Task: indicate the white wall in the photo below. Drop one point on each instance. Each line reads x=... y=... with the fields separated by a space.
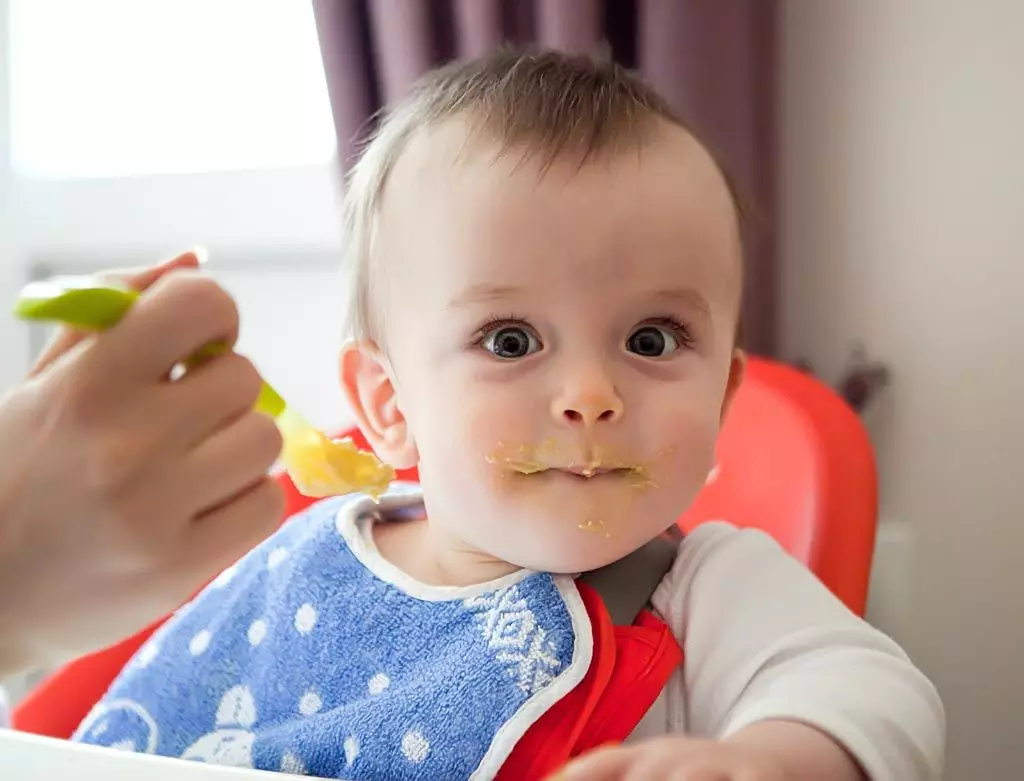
x=903 y=207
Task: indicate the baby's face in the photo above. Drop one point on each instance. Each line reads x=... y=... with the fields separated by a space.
x=561 y=342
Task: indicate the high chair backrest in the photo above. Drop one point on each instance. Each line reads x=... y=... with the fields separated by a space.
x=792 y=459
x=796 y=462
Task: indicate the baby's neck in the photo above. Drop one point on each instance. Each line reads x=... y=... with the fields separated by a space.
x=425 y=553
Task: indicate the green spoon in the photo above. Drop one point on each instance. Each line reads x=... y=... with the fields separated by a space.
x=318 y=465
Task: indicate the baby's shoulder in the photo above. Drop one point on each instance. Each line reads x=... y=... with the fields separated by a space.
x=718 y=551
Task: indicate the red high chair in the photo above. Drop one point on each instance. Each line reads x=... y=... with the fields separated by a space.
x=793 y=460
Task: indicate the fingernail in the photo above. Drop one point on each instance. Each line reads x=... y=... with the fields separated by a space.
x=201 y=253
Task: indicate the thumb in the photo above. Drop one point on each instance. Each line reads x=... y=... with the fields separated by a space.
x=137 y=279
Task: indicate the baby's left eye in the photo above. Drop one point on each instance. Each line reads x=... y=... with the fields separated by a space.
x=653 y=341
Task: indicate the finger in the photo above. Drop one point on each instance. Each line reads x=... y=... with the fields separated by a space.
x=231 y=460
x=603 y=764
x=219 y=537
x=177 y=317
x=208 y=397
x=137 y=279
x=700 y=774
x=143 y=278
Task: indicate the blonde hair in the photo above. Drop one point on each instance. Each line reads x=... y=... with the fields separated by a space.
x=546 y=103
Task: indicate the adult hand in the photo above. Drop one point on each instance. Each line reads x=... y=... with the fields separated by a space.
x=122 y=490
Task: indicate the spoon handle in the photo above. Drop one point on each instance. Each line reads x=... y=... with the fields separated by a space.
x=92 y=304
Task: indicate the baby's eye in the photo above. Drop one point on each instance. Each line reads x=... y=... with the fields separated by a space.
x=653 y=341
x=510 y=342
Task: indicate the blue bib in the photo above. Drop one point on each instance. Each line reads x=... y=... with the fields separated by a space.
x=313 y=655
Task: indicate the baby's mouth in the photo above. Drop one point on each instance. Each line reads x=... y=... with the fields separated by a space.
x=590 y=472
x=528 y=461
x=576 y=471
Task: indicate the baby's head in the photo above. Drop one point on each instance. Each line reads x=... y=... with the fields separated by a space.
x=545 y=268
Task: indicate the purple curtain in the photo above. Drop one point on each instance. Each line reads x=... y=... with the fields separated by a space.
x=713 y=59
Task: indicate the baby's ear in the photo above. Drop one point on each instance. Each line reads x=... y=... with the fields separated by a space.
x=368 y=383
x=737 y=368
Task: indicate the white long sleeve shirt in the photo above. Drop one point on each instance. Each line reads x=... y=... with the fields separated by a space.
x=764 y=639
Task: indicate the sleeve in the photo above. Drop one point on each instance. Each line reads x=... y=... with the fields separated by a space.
x=763 y=639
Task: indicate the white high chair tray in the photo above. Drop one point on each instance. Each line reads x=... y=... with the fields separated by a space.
x=32 y=758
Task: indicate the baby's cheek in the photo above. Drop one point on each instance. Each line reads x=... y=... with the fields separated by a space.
x=689 y=451
x=492 y=425
x=460 y=444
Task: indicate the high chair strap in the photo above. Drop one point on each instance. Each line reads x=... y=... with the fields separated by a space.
x=627 y=585
x=630 y=667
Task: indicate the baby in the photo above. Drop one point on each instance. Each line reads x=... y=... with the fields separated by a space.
x=546 y=275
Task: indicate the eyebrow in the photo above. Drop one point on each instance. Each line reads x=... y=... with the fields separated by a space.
x=689 y=297
x=482 y=293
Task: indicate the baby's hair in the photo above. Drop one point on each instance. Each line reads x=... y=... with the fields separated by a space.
x=544 y=103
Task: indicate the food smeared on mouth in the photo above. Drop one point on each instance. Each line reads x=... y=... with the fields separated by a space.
x=595 y=464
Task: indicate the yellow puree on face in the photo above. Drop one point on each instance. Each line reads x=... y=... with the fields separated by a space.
x=529 y=460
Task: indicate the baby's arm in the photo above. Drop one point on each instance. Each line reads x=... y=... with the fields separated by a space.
x=799 y=751
x=773 y=659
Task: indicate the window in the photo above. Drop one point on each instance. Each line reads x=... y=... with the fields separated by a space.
x=121 y=88
x=140 y=128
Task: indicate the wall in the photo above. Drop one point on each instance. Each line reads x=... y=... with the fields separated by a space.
x=902 y=200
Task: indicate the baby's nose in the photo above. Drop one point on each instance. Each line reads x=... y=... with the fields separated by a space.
x=588 y=409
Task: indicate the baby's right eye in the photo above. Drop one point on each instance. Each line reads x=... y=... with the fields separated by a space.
x=510 y=342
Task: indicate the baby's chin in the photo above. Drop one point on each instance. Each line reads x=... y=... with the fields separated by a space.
x=573 y=550
x=564 y=524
